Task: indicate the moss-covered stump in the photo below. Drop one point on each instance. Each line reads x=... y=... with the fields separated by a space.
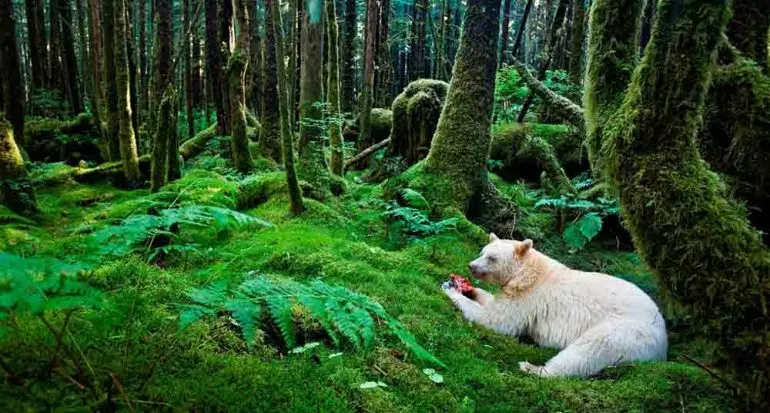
x=381 y=123
x=735 y=138
x=16 y=192
x=415 y=116
x=509 y=139
x=73 y=140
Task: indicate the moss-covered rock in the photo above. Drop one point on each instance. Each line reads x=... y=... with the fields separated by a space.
x=416 y=111
x=381 y=122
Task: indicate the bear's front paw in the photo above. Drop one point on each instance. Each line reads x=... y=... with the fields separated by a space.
x=446 y=285
x=530 y=368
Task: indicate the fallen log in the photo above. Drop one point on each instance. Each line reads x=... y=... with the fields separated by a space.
x=366 y=152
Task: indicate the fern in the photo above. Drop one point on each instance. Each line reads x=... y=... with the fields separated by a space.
x=587 y=215
x=414 y=222
x=342 y=312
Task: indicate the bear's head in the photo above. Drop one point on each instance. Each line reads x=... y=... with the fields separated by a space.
x=501 y=260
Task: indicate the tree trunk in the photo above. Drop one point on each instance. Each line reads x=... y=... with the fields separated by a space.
x=504 y=33
x=174 y=162
x=36 y=34
x=417 y=55
x=576 y=45
x=197 y=82
x=237 y=74
x=160 y=150
x=297 y=205
x=568 y=110
x=364 y=128
x=94 y=14
x=132 y=69
x=706 y=254
x=255 y=80
x=522 y=27
x=440 y=73
x=224 y=23
x=163 y=50
x=348 y=72
x=748 y=29
x=463 y=131
x=55 y=73
x=10 y=73
x=88 y=73
x=558 y=22
x=16 y=192
x=68 y=61
x=213 y=61
x=270 y=134
x=312 y=164
x=128 y=151
x=333 y=91
x=293 y=51
x=111 y=92
x=384 y=70
x=188 y=70
x=143 y=53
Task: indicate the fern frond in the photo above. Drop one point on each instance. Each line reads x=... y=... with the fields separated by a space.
x=283 y=315
x=246 y=313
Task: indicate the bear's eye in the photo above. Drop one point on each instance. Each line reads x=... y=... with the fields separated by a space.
x=492 y=258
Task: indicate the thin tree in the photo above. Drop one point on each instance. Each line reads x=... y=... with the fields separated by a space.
x=312 y=164
x=10 y=72
x=237 y=76
x=576 y=45
x=222 y=102
x=128 y=151
x=417 y=50
x=504 y=33
x=384 y=69
x=36 y=36
x=160 y=150
x=297 y=206
x=553 y=37
x=347 y=59
x=522 y=26
x=144 y=77
x=364 y=127
x=270 y=134
x=186 y=55
x=255 y=64
x=333 y=91
x=88 y=70
x=64 y=25
x=111 y=90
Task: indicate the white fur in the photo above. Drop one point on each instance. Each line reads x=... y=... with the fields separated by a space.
x=596 y=319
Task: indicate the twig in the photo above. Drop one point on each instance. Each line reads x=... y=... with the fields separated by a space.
x=711 y=372
x=122 y=393
x=366 y=152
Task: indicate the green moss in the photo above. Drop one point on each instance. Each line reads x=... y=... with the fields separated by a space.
x=416 y=111
x=239 y=144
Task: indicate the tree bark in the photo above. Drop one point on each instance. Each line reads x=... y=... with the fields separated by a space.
x=128 y=151
x=297 y=205
x=418 y=55
x=748 y=29
x=143 y=53
x=333 y=91
x=160 y=150
x=504 y=32
x=36 y=35
x=222 y=98
x=255 y=73
x=64 y=25
x=348 y=72
x=111 y=92
x=188 y=70
x=10 y=73
x=94 y=14
x=384 y=69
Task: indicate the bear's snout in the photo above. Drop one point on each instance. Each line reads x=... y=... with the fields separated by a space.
x=475 y=269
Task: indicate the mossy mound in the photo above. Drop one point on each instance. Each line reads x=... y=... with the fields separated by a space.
x=415 y=116
x=381 y=123
x=509 y=139
x=72 y=140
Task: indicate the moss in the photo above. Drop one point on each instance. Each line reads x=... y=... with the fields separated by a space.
x=381 y=122
x=748 y=29
x=415 y=116
x=544 y=152
x=735 y=138
x=160 y=152
x=16 y=191
x=706 y=254
x=239 y=143
x=70 y=140
x=126 y=136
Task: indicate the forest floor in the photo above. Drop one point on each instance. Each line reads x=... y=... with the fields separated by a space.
x=136 y=353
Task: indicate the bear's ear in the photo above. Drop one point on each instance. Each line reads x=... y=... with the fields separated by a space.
x=493 y=237
x=522 y=247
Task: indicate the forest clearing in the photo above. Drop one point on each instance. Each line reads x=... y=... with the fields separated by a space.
x=255 y=205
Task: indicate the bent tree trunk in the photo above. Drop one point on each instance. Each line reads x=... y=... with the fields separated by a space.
x=700 y=243
x=16 y=192
x=457 y=157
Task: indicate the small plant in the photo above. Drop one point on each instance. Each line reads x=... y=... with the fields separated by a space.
x=343 y=313
x=412 y=219
x=586 y=216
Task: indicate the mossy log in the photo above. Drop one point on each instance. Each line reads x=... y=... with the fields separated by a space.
x=71 y=141
x=16 y=192
x=381 y=121
x=197 y=144
x=543 y=151
x=112 y=171
x=508 y=140
x=699 y=241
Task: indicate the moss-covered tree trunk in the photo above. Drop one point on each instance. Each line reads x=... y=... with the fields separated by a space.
x=111 y=90
x=333 y=90
x=16 y=192
x=292 y=48
x=237 y=73
x=255 y=63
x=163 y=50
x=132 y=69
x=10 y=72
x=748 y=29
x=188 y=69
x=270 y=134
x=160 y=151
x=174 y=157
x=699 y=242
x=144 y=78
x=576 y=44
x=460 y=146
x=297 y=205
x=348 y=62
x=312 y=164
x=613 y=51
x=222 y=103
x=126 y=135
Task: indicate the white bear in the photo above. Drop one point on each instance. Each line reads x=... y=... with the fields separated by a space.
x=596 y=319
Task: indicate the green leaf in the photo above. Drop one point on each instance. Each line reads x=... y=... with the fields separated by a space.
x=283 y=315
x=246 y=313
x=415 y=199
x=590 y=225
x=574 y=237
x=193 y=313
x=433 y=376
